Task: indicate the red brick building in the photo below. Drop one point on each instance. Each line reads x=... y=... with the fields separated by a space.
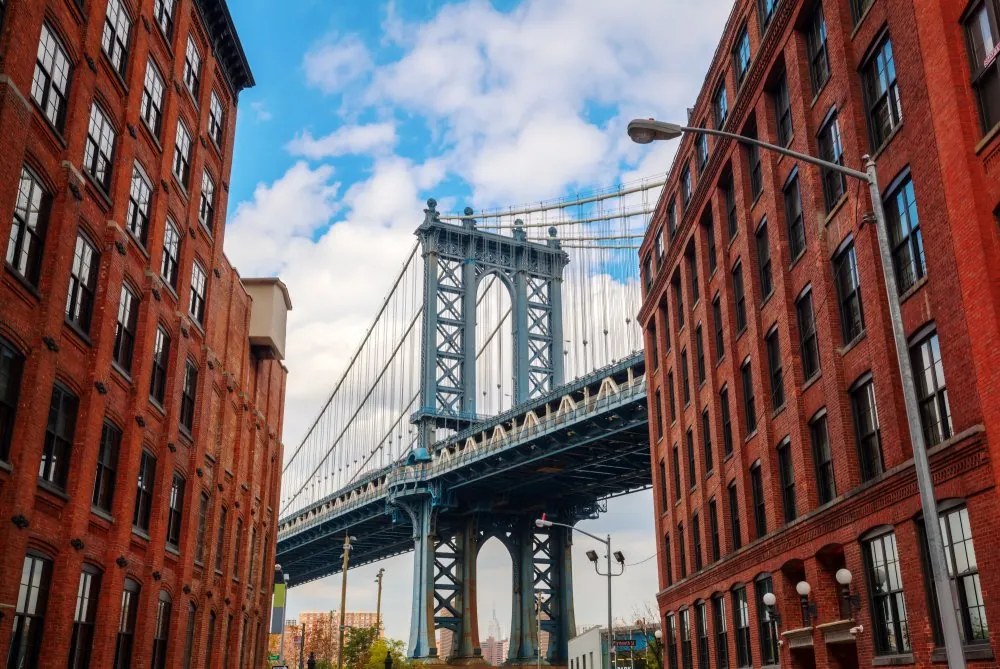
x=778 y=440
x=141 y=388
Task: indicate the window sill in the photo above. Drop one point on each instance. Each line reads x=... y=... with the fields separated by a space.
x=976 y=652
x=185 y=433
x=6 y=466
x=53 y=489
x=780 y=410
x=847 y=348
x=121 y=372
x=53 y=130
x=877 y=153
x=822 y=88
x=156 y=405
x=812 y=380
x=78 y=331
x=116 y=77
x=988 y=139
x=138 y=243
x=151 y=134
x=753 y=433
x=767 y=298
x=722 y=359
x=835 y=209
x=727 y=458
x=173 y=550
x=101 y=513
x=170 y=289
x=796 y=259
x=104 y=198
x=893 y=660
x=741 y=332
x=180 y=188
x=139 y=532
x=32 y=290
x=913 y=290
x=860 y=21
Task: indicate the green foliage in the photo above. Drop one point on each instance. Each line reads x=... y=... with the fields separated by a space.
x=358 y=646
x=383 y=647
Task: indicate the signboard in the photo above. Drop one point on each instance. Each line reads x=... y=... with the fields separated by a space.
x=278 y=605
x=273 y=658
x=625 y=643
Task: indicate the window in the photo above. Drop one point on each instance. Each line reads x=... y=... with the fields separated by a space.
x=819 y=63
x=741 y=56
x=161 y=631
x=749 y=402
x=659 y=415
x=963 y=569
x=783 y=110
x=654 y=349
x=932 y=393
x=665 y=321
x=692 y=269
x=98 y=155
x=11 y=366
x=189 y=636
x=765 y=11
x=701 y=617
x=671 y=642
x=176 y=510
x=686 y=659
x=192 y=66
x=768 y=628
x=125 y=329
x=210 y=644
x=741 y=615
x=50 y=83
x=140 y=194
x=845 y=270
x=220 y=538
x=673 y=398
x=735 y=531
x=647 y=273
x=739 y=298
x=114 y=40
x=237 y=548
x=699 y=354
x=713 y=260
x=884 y=107
x=720 y=105
x=787 y=473
x=206 y=210
x=905 y=236
x=727 y=422
x=161 y=354
x=729 y=200
x=859 y=8
x=706 y=441
x=661 y=248
x=702 y=153
x=685 y=381
x=151 y=107
x=808 y=342
x=27 y=234
x=171 y=254
x=664 y=496
x=757 y=491
x=682 y=551
x=826 y=486
x=29 y=614
x=84 y=617
x=764 y=261
x=126 y=625
x=686 y=188
x=721 y=632
x=720 y=346
x=677 y=472
x=182 y=154
x=668 y=559
x=775 y=367
x=756 y=167
x=793 y=217
x=163 y=13
x=144 y=491
x=199 y=543
x=59 y=430
x=82 y=284
x=107 y=466
x=251 y=570
x=867 y=429
x=216 y=119
x=982 y=31
x=672 y=218
x=696 y=541
x=831 y=150
x=678 y=300
x=198 y=288
x=692 y=474
x=885 y=586
x=715 y=544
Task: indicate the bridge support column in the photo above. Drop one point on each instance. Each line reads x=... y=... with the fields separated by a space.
x=455 y=594
x=523 y=628
x=422 y=641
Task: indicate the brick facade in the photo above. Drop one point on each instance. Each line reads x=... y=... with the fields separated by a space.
x=230 y=451
x=938 y=143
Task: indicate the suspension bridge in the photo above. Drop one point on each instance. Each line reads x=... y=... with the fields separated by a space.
x=502 y=377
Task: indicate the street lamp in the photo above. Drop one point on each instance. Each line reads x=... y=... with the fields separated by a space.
x=644 y=131
x=378 y=604
x=809 y=611
x=343 y=597
x=285 y=577
x=851 y=600
x=592 y=556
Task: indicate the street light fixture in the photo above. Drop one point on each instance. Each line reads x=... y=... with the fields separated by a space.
x=809 y=611
x=852 y=600
x=543 y=522
x=644 y=131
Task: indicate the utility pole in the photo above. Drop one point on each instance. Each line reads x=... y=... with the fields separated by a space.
x=302 y=644
x=378 y=604
x=343 y=598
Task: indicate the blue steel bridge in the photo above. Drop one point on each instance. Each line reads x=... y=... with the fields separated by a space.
x=501 y=378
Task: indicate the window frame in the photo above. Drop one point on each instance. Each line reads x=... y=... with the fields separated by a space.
x=741 y=626
x=739 y=297
x=735 y=528
x=183 y=147
x=775 y=368
x=206 y=203
x=830 y=147
x=764 y=270
x=909 y=261
x=749 y=397
x=84 y=616
x=816 y=48
x=216 y=120
x=161 y=630
x=193 y=61
x=721 y=629
x=783 y=111
x=758 y=499
x=926 y=360
x=126 y=325
x=30 y=222
x=819 y=441
x=142 y=509
x=116 y=36
x=106 y=474
x=170 y=262
x=161 y=361
x=11 y=375
x=847 y=281
x=979 y=71
x=742 y=55
x=767 y=627
x=26 y=638
x=125 y=637
x=893 y=597
x=52 y=75
x=151 y=103
x=99 y=149
x=867 y=436
x=794 y=220
x=60 y=432
x=879 y=59
x=175 y=509
x=82 y=290
x=805 y=316
x=786 y=475
x=163 y=16
x=140 y=202
x=199 y=293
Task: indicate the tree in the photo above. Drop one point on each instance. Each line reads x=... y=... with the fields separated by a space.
x=383 y=647
x=358 y=646
x=654 y=646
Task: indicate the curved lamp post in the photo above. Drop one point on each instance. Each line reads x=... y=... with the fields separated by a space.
x=592 y=556
x=644 y=131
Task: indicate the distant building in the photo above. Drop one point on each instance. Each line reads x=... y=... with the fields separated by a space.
x=495 y=650
x=589 y=650
x=445 y=643
x=292 y=643
x=322 y=630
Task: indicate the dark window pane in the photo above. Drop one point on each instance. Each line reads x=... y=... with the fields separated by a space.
x=107 y=467
x=885 y=586
x=845 y=270
x=808 y=339
x=11 y=367
x=54 y=467
x=932 y=393
x=905 y=236
x=826 y=485
x=867 y=431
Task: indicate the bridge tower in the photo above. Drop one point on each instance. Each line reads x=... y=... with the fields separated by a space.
x=456 y=259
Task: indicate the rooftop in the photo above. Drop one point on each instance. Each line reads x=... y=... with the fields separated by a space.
x=226 y=43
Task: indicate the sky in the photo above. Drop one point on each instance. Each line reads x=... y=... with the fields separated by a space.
x=363 y=110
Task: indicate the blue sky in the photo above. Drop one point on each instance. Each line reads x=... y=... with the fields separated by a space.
x=362 y=110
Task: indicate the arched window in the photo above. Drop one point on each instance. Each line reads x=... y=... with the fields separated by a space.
x=161 y=631
x=126 y=625
x=85 y=614
x=189 y=635
x=11 y=365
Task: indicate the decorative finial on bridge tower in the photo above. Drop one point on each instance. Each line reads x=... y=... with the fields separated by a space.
x=553 y=241
x=519 y=233
x=468 y=222
x=431 y=212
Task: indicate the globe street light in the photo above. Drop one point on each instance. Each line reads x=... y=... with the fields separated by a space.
x=592 y=556
x=644 y=131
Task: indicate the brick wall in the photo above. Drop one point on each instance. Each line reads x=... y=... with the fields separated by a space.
x=954 y=172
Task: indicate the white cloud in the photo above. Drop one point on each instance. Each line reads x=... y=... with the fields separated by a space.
x=260 y=111
x=333 y=64
x=347 y=139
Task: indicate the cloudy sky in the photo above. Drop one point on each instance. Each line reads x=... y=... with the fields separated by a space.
x=363 y=110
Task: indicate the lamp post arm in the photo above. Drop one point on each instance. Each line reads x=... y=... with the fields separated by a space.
x=576 y=529
x=806 y=158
